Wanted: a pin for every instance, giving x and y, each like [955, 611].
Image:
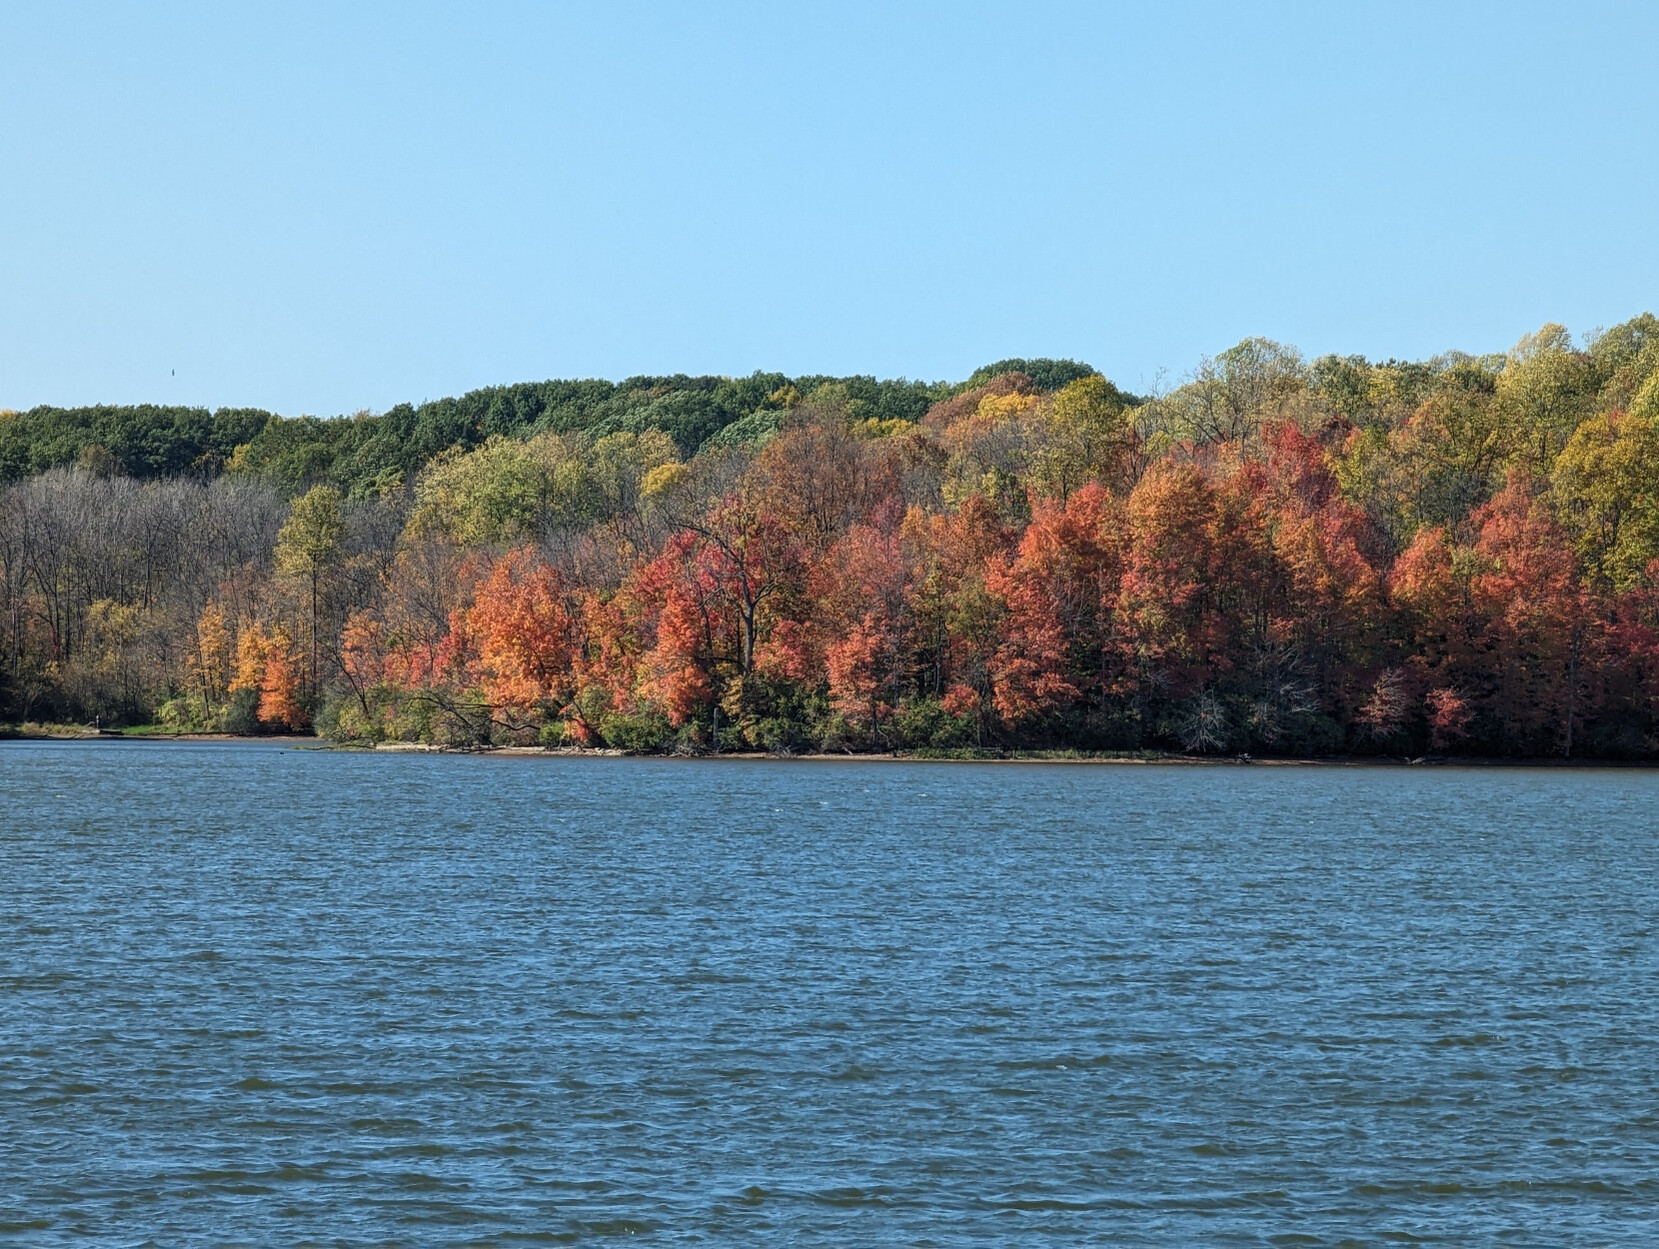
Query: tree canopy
[1278, 555]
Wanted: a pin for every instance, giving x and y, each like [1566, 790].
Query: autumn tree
[1172, 578]
[958, 618]
[210, 663]
[1538, 618]
[279, 686]
[1452, 554]
[744, 556]
[863, 606]
[1060, 591]
[527, 631]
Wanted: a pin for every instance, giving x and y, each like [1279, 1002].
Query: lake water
[262, 994]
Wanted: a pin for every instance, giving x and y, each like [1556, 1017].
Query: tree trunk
[1572, 688]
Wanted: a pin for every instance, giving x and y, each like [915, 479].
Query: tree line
[1458, 555]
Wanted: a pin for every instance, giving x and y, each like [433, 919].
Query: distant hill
[360, 453]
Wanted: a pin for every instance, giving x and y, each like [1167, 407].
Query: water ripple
[258, 994]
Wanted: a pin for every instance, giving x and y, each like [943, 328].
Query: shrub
[241, 713]
[925, 722]
[640, 733]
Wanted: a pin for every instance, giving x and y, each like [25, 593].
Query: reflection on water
[257, 993]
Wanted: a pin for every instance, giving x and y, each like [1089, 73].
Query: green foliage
[690, 417]
[311, 539]
[1084, 435]
[295, 453]
[1045, 374]
[381, 713]
[1645, 402]
[639, 733]
[1607, 493]
[1442, 460]
[1371, 395]
[757, 429]
[187, 713]
[865, 398]
[145, 441]
[1626, 357]
[1229, 397]
[326, 721]
[240, 715]
[1544, 391]
[774, 714]
[507, 490]
[365, 455]
[924, 722]
[497, 492]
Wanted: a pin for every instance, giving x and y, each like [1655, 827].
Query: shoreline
[1060, 756]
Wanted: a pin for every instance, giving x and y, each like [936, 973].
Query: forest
[1277, 556]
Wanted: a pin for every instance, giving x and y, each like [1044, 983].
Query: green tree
[1082, 434]
[1044, 373]
[1545, 390]
[1626, 357]
[310, 547]
[503, 491]
[1606, 485]
[1228, 397]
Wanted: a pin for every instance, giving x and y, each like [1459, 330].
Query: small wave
[294, 1173]
[855, 1073]
[851, 1197]
[619, 1227]
[421, 1182]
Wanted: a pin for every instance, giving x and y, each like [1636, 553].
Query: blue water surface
[258, 994]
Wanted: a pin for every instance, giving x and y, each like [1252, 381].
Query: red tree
[1061, 593]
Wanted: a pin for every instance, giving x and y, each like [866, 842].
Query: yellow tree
[210, 664]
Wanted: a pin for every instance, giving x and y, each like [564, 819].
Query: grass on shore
[47, 730]
[51, 729]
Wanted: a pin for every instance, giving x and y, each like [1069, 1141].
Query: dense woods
[1458, 555]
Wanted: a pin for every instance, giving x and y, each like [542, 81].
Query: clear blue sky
[322, 209]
